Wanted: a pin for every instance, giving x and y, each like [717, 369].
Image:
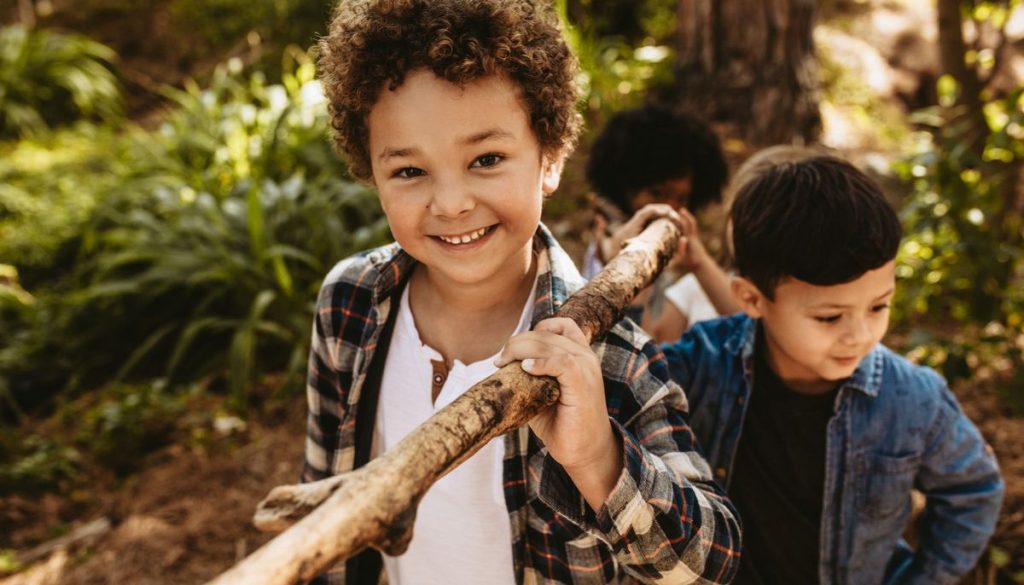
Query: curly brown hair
[374, 44]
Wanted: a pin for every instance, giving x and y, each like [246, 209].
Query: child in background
[704, 292]
[817, 430]
[653, 155]
[461, 113]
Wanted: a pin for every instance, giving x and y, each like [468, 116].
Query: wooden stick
[375, 505]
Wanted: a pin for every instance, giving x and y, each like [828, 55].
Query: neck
[800, 382]
[508, 288]
[471, 322]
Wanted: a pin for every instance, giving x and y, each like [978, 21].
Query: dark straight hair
[819, 220]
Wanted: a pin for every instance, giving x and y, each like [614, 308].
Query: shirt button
[438, 379]
[720, 473]
[739, 400]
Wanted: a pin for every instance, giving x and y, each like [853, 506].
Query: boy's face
[816, 335]
[460, 175]
[675, 192]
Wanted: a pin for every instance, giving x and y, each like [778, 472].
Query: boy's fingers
[564, 327]
[534, 344]
[688, 222]
[682, 246]
[652, 211]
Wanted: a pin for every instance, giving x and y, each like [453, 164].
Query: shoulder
[913, 391]
[712, 338]
[361, 269]
[358, 272]
[901, 376]
[346, 303]
[687, 285]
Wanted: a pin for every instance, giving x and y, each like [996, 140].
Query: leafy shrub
[222, 23]
[961, 266]
[49, 186]
[29, 464]
[617, 71]
[129, 423]
[49, 78]
[208, 260]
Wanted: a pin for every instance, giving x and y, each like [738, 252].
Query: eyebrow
[840, 306]
[477, 138]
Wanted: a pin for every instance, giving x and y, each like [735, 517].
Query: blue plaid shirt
[666, 520]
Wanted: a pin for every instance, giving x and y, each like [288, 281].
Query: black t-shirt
[778, 480]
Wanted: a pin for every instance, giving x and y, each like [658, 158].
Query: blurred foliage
[129, 422]
[33, 463]
[224, 22]
[206, 257]
[961, 266]
[49, 185]
[49, 78]
[624, 50]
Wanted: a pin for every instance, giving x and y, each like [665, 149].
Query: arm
[960, 479]
[634, 480]
[324, 412]
[667, 325]
[695, 258]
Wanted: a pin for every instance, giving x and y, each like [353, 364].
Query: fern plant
[209, 259]
[48, 79]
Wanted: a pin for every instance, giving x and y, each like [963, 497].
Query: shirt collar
[557, 276]
[867, 378]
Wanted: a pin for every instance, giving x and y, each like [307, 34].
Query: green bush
[48, 79]
[961, 266]
[130, 422]
[618, 68]
[209, 257]
[33, 463]
[49, 186]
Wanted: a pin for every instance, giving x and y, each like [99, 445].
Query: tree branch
[375, 506]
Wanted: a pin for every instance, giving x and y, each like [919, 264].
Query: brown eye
[408, 173]
[488, 160]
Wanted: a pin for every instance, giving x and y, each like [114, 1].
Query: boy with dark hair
[818, 431]
[655, 155]
[461, 113]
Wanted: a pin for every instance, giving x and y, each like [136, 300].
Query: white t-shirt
[462, 532]
[691, 300]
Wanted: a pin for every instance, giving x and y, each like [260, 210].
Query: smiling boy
[817, 430]
[461, 113]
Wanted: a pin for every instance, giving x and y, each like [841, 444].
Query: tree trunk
[952, 50]
[375, 505]
[750, 63]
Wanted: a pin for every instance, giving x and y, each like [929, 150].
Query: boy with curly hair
[648, 155]
[818, 431]
[461, 113]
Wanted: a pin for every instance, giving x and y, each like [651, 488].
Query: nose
[858, 331]
[451, 198]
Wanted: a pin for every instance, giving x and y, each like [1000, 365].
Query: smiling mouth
[466, 238]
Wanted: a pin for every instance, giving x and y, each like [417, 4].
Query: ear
[750, 298]
[551, 173]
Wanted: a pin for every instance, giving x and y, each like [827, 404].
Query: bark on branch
[375, 505]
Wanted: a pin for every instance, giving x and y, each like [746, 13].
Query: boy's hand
[576, 430]
[638, 222]
[691, 254]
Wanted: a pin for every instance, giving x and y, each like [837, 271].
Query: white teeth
[465, 238]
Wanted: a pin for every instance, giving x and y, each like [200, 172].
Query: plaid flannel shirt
[666, 521]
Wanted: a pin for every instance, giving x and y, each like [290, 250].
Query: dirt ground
[185, 517]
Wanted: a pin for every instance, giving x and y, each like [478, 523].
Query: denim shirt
[896, 427]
